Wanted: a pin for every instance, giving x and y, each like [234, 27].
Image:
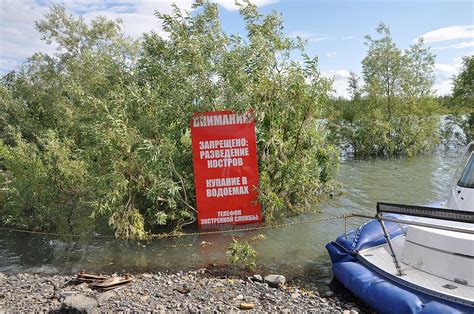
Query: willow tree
[49, 110]
[200, 68]
[397, 113]
[105, 120]
[463, 96]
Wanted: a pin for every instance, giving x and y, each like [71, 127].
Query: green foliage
[242, 253]
[463, 90]
[101, 128]
[393, 113]
[463, 96]
[44, 186]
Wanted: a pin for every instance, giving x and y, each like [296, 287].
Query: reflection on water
[297, 251]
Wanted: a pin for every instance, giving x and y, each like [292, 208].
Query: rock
[275, 281]
[147, 275]
[67, 293]
[83, 287]
[79, 303]
[257, 278]
[246, 306]
[47, 290]
[329, 293]
[208, 294]
[105, 296]
[183, 290]
[346, 312]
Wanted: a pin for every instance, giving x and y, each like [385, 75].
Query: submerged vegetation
[99, 131]
[461, 105]
[243, 254]
[392, 112]
[101, 128]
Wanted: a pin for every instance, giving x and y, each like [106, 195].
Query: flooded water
[296, 251]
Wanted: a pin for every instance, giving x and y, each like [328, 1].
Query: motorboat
[414, 259]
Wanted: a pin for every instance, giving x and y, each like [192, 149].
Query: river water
[297, 251]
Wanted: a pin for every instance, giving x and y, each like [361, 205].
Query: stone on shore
[79, 302]
[160, 292]
[275, 281]
[257, 278]
[246, 306]
[104, 296]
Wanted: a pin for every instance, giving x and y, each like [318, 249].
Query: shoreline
[201, 290]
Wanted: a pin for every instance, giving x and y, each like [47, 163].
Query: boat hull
[372, 286]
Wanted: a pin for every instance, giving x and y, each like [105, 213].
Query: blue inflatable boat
[378, 289]
[414, 259]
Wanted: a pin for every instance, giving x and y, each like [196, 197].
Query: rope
[255, 228]
[55, 233]
[177, 235]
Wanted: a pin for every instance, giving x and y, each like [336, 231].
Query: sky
[334, 29]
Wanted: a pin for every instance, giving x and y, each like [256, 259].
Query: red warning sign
[225, 168]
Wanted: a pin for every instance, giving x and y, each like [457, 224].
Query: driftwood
[103, 283]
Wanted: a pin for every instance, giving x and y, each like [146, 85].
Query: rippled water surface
[297, 251]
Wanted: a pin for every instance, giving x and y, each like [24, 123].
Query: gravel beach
[191, 291]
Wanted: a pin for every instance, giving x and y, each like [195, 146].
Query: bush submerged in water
[242, 253]
[101, 128]
[394, 112]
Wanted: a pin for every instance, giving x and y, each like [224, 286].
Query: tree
[463, 95]
[107, 120]
[353, 88]
[397, 114]
[48, 111]
[382, 70]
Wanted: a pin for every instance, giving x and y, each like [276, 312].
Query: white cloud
[231, 6]
[8, 64]
[339, 82]
[19, 39]
[347, 37]
[337, 73]
[443, 88]
[449, 69]
[462, 45]
[137, 16]
[449, 33]
[444, 76]
[331, 55]
[443, 73]
[308, 36]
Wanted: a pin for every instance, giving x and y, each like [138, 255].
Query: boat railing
[418, 211]
[415, 223]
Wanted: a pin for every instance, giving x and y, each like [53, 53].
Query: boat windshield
[467, 177]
